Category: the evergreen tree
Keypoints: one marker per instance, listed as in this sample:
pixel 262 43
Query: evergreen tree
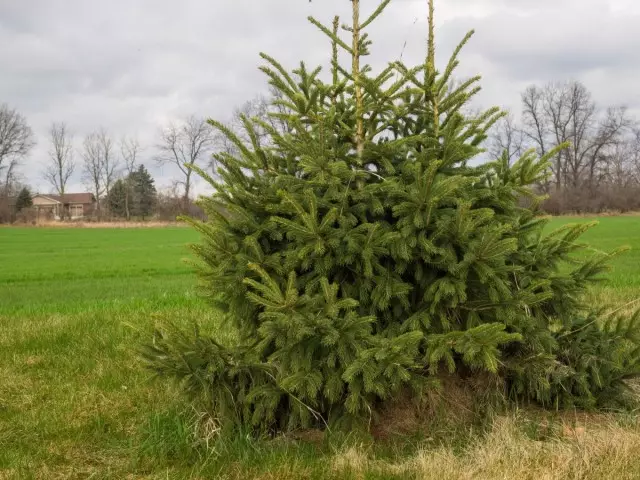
pixel 24 200
pixel 116 199
pixel 144 192
pixel 359 253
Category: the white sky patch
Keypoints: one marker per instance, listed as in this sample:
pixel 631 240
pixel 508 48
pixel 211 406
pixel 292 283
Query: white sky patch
pixel 133 66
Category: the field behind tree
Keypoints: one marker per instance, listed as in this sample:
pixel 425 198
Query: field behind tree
pixel 76 403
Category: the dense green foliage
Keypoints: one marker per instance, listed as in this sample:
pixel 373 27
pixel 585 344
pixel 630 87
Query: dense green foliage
pixel 49 271
pixel 144 192
pixel 117 198
pixel 359 254
pixel 24 200
pixel 134 195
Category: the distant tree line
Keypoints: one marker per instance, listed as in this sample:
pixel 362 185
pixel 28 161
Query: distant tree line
pixel 114 171
pixel 599 171
pixel 600 168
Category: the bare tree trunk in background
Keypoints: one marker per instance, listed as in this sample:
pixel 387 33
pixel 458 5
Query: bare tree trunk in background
pixel 507 137
pixel 608 138
pixel 93 167
pixel 183 145
pixel 600 145
pixel 269 109
pixel 61 164
pixel 634 157
pixel 16 141
pixel 129 148
pixel 109 160
pixel 534 125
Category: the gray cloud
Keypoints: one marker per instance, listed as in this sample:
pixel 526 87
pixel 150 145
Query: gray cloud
pixel 133 65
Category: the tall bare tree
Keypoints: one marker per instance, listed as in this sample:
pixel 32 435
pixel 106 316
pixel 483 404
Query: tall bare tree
pixel 93 167
pixel 534 122
pixel 184 144
pixel 129 149
pixel 109 160
pixel 100 164
pixel 270 109
pixel 566 113
pixel 61 164
pixel 507 137
pixel 16 141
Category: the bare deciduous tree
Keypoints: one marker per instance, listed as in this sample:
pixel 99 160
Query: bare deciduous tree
pixel 129 149
pixel 109 160
pixel 270 109
pixel 565 113
pixel 185 144
pixel 16 141
pixel 100 164
pixel 92 167
pixel 61 164
pixel 507 138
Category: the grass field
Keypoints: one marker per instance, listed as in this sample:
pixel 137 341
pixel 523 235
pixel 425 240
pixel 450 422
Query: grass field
pixel 76 403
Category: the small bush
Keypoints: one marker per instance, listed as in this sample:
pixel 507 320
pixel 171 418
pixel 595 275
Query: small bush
pixel 358 255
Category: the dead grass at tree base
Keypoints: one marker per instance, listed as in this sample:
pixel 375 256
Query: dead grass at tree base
pixel 455 401
pixel 507 452
pixel 80 224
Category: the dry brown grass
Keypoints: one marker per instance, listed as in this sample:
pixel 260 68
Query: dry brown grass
pixel 612 213
pixel 149 224
pixel 593 450
pixel 455 401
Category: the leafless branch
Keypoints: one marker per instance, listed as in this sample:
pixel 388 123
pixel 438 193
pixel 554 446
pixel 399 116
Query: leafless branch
pixel 129 149
pixel 109 160
pixel 61 163
pixel 16 141
pixel 184 144
pixel 93 166
pixel 507 137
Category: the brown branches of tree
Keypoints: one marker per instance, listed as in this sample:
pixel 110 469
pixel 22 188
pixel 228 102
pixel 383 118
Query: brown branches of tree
pixel 61 163
pixel 16 141
pixel 508 137
pixel 185 144
pixel 129 149
pixel 566 113
pixel 601 167
pixel 109 160
pixel 92 166
pixel 100 164
pixel 271 109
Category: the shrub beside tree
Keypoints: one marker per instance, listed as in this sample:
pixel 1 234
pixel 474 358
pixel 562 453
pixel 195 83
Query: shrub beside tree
pixel 144 193
pixel 359 255
pixel 137 192
pixel 117 197
pixel 24 200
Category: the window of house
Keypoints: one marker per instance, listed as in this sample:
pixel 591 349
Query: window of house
pixel 76 211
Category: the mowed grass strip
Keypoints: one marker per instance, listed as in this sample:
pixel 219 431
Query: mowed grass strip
pixel 610 234
pixel 66 270
pixel 75 304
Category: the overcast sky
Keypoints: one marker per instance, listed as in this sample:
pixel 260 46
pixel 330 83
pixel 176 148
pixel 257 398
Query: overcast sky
pixel 131 66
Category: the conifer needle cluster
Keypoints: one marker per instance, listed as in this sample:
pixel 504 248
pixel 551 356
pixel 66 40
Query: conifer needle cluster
pixel 359 254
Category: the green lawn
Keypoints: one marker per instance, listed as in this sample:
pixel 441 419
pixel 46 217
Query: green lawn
pixel 610 234
pixel 75 402
pixel 60 270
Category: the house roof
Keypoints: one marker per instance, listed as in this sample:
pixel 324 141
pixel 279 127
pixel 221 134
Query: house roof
pixel 71 198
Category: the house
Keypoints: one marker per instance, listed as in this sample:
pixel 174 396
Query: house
pixel 71 205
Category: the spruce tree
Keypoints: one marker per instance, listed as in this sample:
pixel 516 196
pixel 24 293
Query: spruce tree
pixel 359 254
pixel 24 200
pixel 117 197
pixel 144 192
